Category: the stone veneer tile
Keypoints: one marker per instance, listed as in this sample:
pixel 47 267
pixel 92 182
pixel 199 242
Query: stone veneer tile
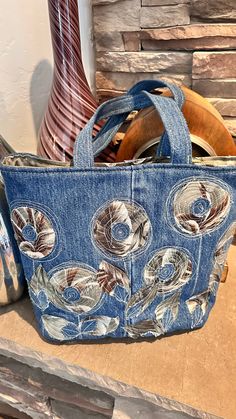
pixel 216 88
pixel 190 37
pixel 123 81
pixel 214 65
pixel 152 62
pixel 117 16
pixel 216 10
pixel 109 41
pixel 161 16
pixel 163 2
pixel 226 107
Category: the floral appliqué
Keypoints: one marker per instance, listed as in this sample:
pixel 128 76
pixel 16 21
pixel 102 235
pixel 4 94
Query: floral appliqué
pixel 78 289
pixel 219 257
pixel 167 271
pixel 121 228
pixel 200 206
pixel 198 304
pixel 33 231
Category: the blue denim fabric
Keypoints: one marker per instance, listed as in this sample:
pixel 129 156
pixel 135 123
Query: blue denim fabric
pixel 132 251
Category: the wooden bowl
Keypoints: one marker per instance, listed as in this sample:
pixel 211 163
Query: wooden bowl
pixel 209 135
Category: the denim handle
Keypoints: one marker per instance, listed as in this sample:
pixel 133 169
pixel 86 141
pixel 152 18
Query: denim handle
pixel 178 94
pixel 147 85
pixel 172 118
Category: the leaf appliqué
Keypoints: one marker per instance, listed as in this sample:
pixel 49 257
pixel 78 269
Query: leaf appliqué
pixel 112 279
pixel 144 328
pixel 99 325
pixel 198 307
pixel 141 300
pixel 54 326
pixel 219 258
pixel 60 329
pixel 167 311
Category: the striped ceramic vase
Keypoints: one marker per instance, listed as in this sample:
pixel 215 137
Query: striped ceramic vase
pixel 71 103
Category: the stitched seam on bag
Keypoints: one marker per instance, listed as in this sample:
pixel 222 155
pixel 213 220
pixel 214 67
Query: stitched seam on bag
pixel 69 171
pixel 198 265
pixel 132 199
pixel 211 266
pixel 131 261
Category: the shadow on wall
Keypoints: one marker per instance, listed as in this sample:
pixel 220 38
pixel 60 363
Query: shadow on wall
pixel 40 86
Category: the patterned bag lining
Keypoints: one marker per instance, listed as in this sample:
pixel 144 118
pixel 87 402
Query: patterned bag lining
pixel 29 160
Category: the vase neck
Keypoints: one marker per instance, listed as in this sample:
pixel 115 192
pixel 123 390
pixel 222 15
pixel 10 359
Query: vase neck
pixel 64 23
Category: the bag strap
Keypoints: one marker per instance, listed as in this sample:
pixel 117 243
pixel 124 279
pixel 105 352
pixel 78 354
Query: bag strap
pixel 172 118
pixel 118 120
pixel 150 85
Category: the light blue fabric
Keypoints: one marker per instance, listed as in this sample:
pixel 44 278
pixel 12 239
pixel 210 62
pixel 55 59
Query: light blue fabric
pixel 133 251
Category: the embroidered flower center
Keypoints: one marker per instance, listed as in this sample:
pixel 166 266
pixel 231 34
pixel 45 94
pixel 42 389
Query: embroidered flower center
pixel 71 294
pixel 166 272
pixel 29 233
pixel 120 231
pixel 200 207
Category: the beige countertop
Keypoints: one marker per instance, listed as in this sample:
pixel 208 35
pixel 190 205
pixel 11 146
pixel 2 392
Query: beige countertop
pixel 197 368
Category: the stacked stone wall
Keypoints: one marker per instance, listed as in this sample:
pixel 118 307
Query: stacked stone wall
pixel 193 42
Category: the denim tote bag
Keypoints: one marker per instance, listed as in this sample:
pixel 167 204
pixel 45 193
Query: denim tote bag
pixel 130 250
